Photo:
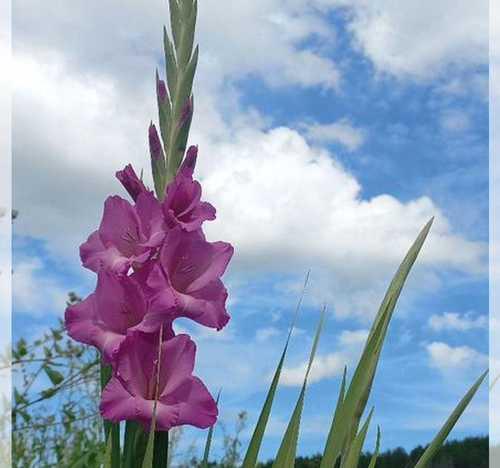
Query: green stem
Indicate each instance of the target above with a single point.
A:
(160, 457)
(111, 429)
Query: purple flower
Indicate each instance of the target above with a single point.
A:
(103, 319)
(186, 280)
(127, 234)
(182, 398)
(131, 182)
(182, 205)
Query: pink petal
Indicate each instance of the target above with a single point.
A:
(131, 182)
(206, 306)
(196, 405)
(120, 226)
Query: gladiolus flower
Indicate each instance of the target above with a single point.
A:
(127, 234)
(103, 319)
(186, 281)
(131, 392)
(182, 205)
(131, 182)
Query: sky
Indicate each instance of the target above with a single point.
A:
(329, 133)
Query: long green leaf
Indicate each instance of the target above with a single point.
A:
(373, 460)
(438, 441)
(111, 430)
(160, 452)
(108, 454)
(129, 444)
(329, 458)
(288, 449)
(361, 383)
(206, 454)
(252, 453)
(352, 459)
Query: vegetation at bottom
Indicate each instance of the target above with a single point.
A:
(471, 452)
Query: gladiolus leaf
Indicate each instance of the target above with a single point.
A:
(288, 449)
(373, 460)
(204, 463)
(436, 444)
(328, 459)
(258, 434)
(361, 383)
(352, 459)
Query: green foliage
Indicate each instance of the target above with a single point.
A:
(471, 452)
(55, 419)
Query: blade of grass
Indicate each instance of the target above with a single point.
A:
(131, 428)
(441, 436)
(373, 460)
(362, 380)
(204, 463)
(252, 453)
(352, 459)
(288, 449)
(111, 430)
(327, 460)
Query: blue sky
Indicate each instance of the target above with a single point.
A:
(329, 133)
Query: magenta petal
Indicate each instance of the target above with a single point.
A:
(120, 302)
(120, 226)
(96, 257)
(192, 262)
(83, 324)
(130, 394)
(152, 222)
(182, 205)
(133, 185)
(116, 403)
(179, 363)
(206, 306)
(198, 408)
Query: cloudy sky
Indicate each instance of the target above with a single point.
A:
(329, 132)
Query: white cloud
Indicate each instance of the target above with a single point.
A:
(264, 334)
(455, 120)
(284, 204)
(33, 292)
(328, 365)
(341, 131)
(418, 39)
(455, 321)
(445, 357)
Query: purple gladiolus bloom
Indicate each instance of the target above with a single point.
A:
(186, 281)
(131, 182)
(127, 234)
(182, 398)
(103, 319)
(183, 205)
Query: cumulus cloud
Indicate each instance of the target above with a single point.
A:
(341, 131)
(329, 365)
(285, 204)
(264, 334)
(455, 321)
(445, 357)
(33, 292)
(418, 40)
